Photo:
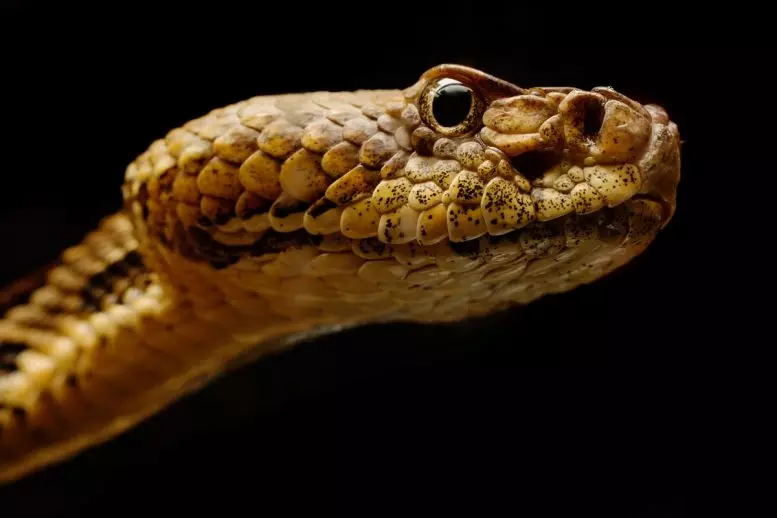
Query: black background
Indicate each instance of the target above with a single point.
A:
(581, 403)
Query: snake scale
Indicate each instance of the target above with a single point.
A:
(283, 216)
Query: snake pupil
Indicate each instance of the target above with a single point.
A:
(451, 104)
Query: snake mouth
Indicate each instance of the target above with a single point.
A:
(631, 220)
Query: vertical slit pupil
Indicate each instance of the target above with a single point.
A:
(451, 104)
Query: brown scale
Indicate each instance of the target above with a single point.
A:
(250, 204)
(34, 317)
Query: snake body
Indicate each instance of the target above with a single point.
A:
(282, 216)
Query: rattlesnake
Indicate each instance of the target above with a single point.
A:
(283, 216)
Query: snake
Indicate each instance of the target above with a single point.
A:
(284, 217)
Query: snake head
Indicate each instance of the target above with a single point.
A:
(573, 151)
(461, 167)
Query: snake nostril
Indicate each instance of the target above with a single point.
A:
(593, 116)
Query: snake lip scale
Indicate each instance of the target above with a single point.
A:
(286, 216)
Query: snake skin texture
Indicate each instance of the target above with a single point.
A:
(276, 218)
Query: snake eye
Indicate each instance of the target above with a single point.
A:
(451, 104)
(451, 108)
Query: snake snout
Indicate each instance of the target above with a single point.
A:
(660, 163)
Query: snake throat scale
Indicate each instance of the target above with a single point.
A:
(285, 216)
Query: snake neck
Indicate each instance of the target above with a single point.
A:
(122, 325)
(110, 333)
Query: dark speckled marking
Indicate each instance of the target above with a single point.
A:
(585, 198)
(465, 222)
(614, 183)
(505, 207)
(387, 230)
(372, 248)
(579, 229)
(551, 204)
(541, 239)
(467, 187)
(552, 132)
(391, 194)
(424, 196)
(353, 185)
